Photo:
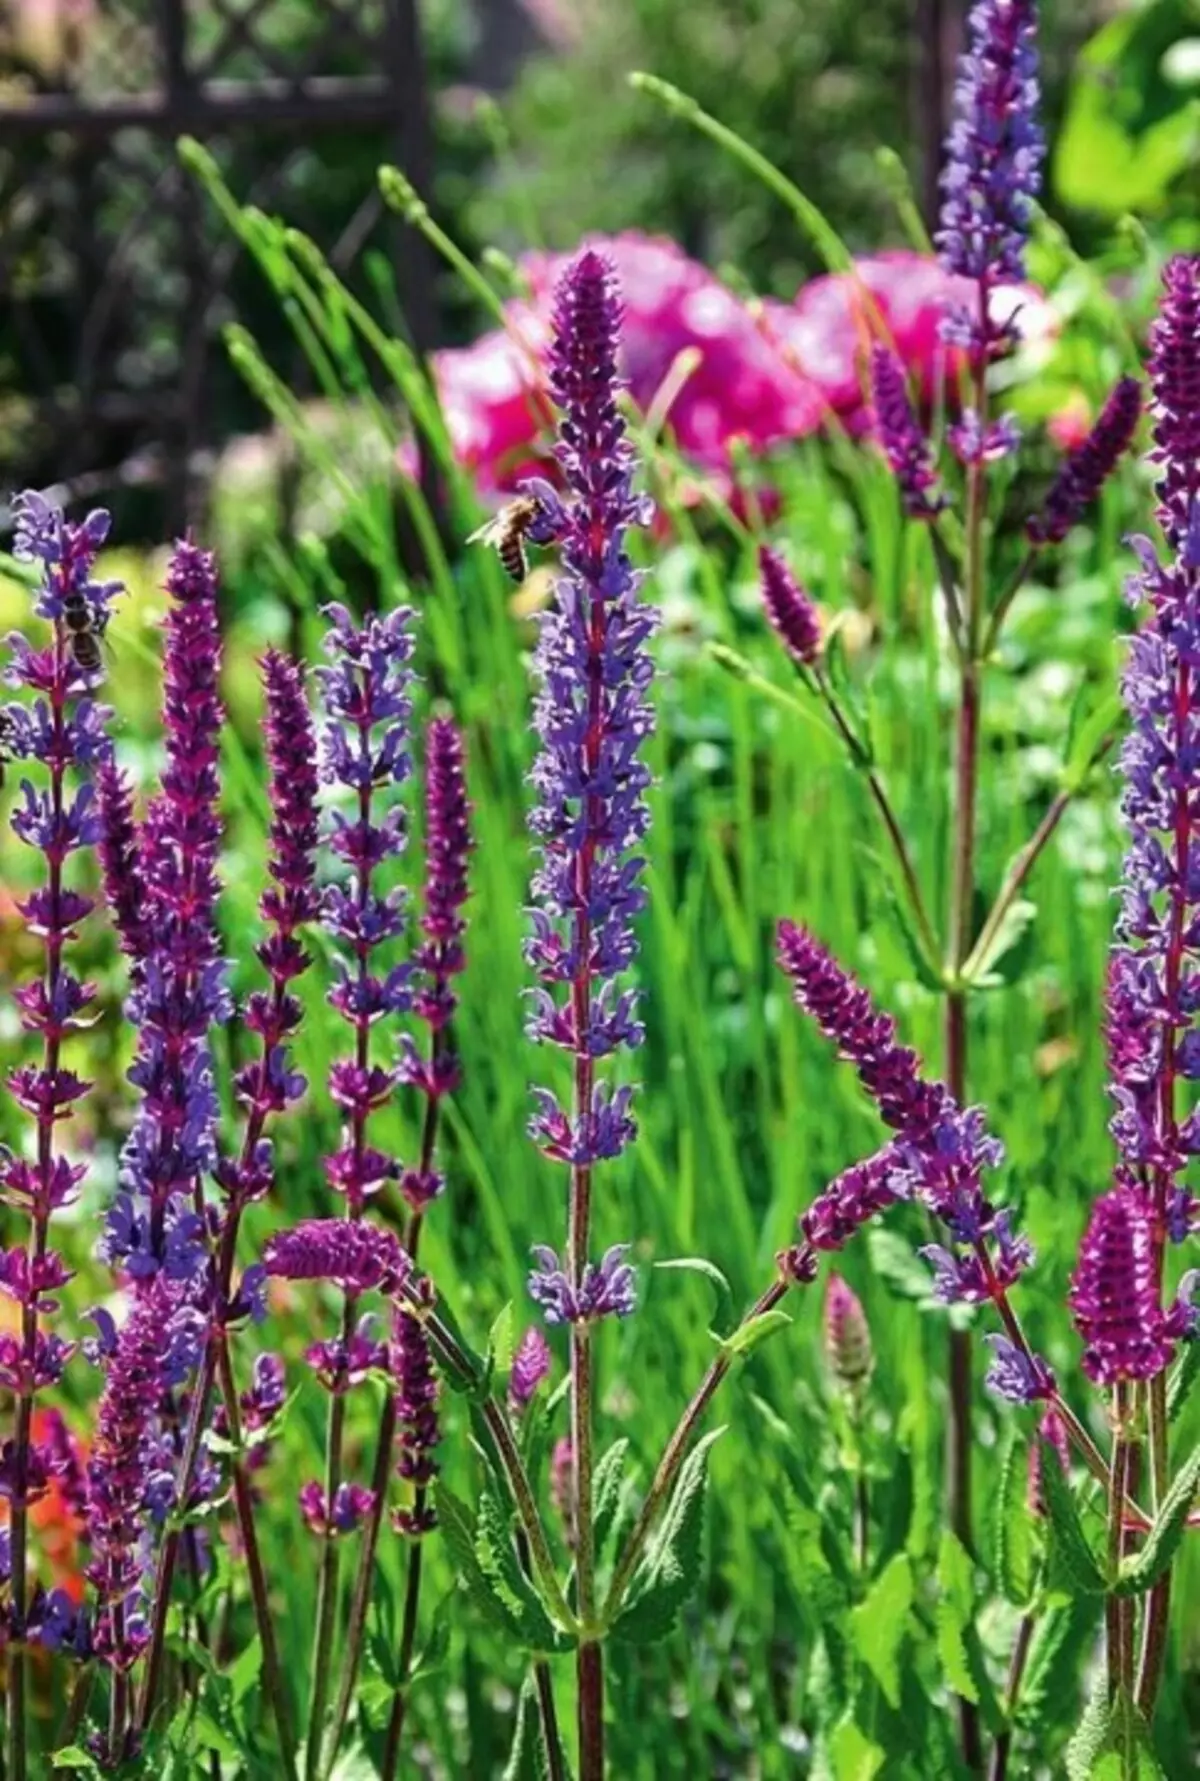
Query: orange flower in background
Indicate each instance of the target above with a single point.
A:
(57, 1529)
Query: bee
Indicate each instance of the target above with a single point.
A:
(5, 740)
(506, 532)
(85, 628)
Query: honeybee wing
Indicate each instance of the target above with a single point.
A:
(492, 530)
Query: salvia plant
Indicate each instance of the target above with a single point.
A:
(560, 1548)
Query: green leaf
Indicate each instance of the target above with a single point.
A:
(244, 1671)
(1184, 1377)
(1009, 951)
(211, 1736)
(1088, 740)
(1060, 1638)
(608, 1488)
(499, 1563)
(74, 1757)
(854, 1756)
(748, 1336)
(1146, 1566)
(879, 1624)
(957, 1638)
(1015, 1538)
(1113, 1742)
(670, 1570)
(1071, 1557)
(502, 1340)
(894, 1261)
(698, 1264)
(527, 1758)
(457, 1527)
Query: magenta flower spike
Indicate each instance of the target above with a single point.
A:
(1114, 1294)
(1089, 467)
(592, 714)
(902, 438)
(789, 608)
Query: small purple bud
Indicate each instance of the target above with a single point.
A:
(848, 1352)
(789, 608)
(531, 1363)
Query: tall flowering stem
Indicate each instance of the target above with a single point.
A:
(266, 1086)
(991, 176)
(592, 713)
(1153, 974)
(62, 728)
(365, 751)
(439, 958)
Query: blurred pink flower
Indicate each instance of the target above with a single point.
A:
(711, 368)
(1070, 425)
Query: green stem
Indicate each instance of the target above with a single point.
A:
(1158, 1606)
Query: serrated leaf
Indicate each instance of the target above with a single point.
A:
(456, 1524)
(1007, 953)
(879, 1624)
(1182, 1379)
(1015, 1538)
(1146, 1566)
(748, 1336)
(1113, 1742)
(526, 1759)
(499, 1563)
(1061, 1636)
(1071, 1556)
(854, 1756)
(670, 1570)
(608, 1487)
(699, 1264)
(502, 1340)
(957, 1638)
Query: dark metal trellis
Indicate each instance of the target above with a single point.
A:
(113, 276)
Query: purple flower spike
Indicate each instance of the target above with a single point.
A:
(1088, 468)
(416, 1414)
(1175, 375)
(119, 858)
(531, 1363)
(902, 438)
(993, 156)
(592, 712)
(789, 608)
(1114, 1293)
(118, 1473)
(179, 989)
(856, 1196)
(847, 1336)
(447, 849)
(352, 1503)
(353, 1255)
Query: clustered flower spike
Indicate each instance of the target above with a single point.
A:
(365, 693)
(179, 989)
(440, 956)
(900, 434)
(1114, 1294)
(993, 155)
(268, 1085)
(592, 713)
(1088, 468)
(847, 1335)
(939, 1153)
(416, 1415)
(118, 1475)
(1153, 975)
(349, 1253)
(60, 727)
(789, 608)
(120, 859)
(531, 1363)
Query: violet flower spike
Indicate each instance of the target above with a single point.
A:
(1088, 468)
(1151, 1036)
(994, 156)
(61, 727)
(1114, 1295)
(179, 990)
(902, 438)
(356, 1256)
(592, 713)
(417, 1419)
(789, 608)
